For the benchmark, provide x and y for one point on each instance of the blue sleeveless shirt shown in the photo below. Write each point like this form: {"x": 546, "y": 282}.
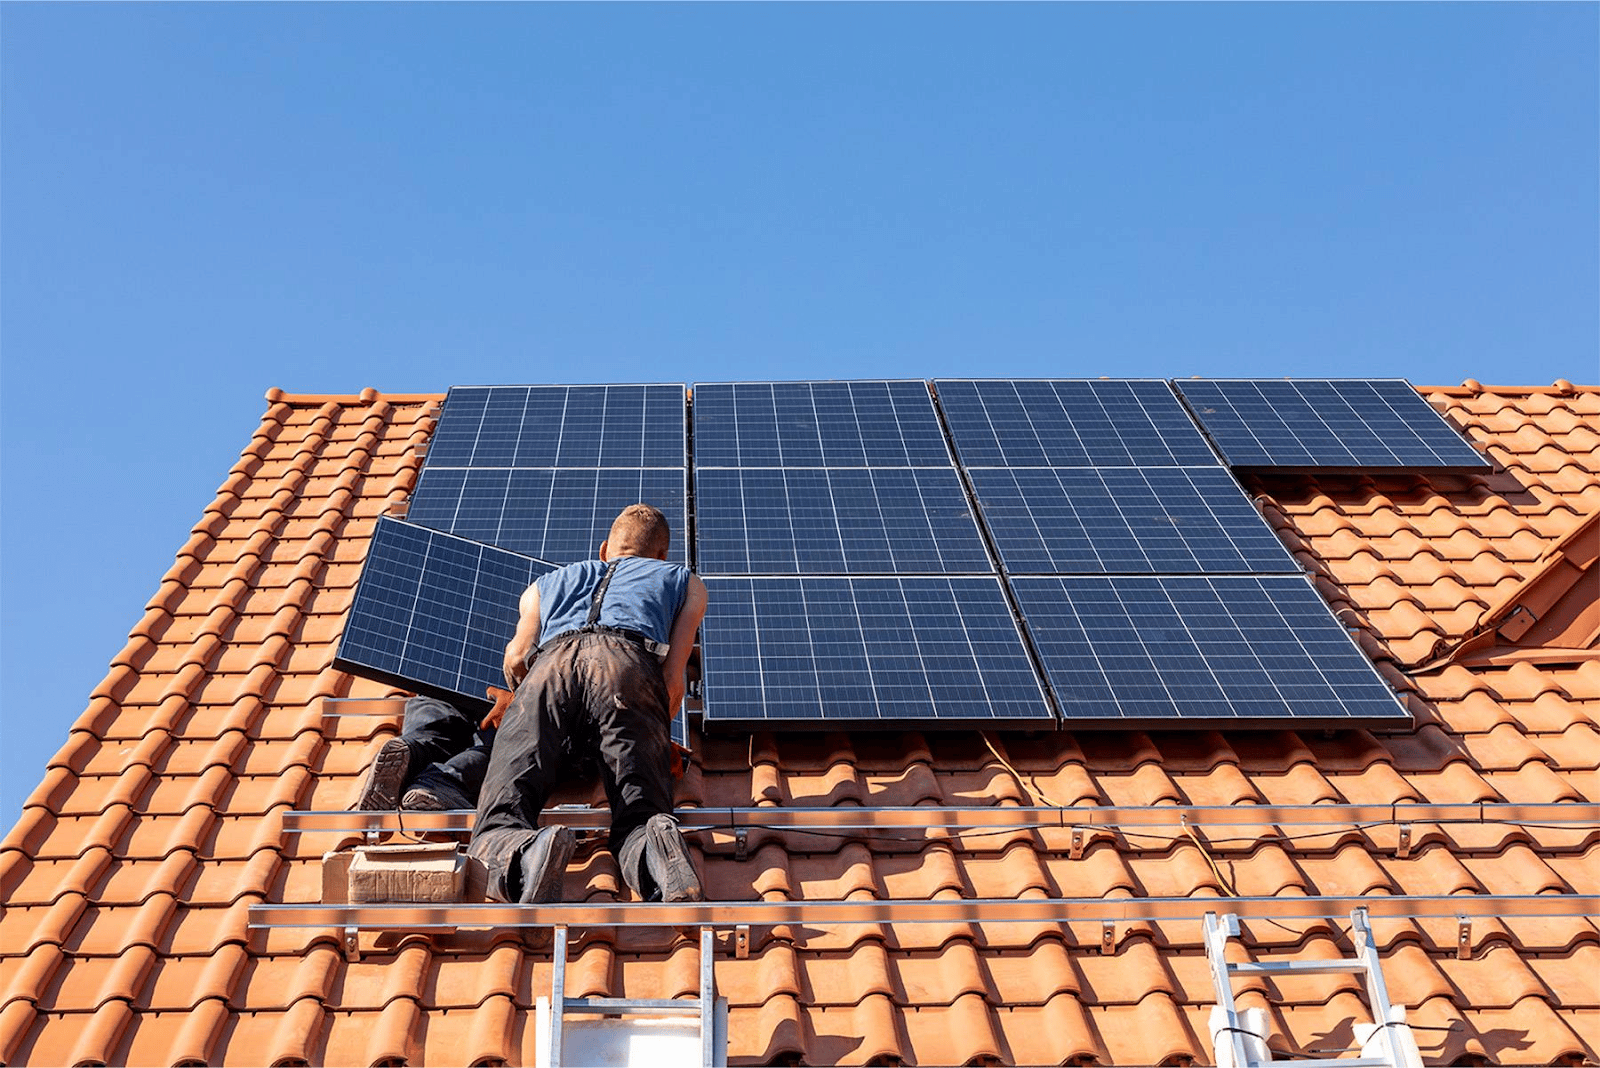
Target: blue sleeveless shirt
{"x": 645, "y": 595}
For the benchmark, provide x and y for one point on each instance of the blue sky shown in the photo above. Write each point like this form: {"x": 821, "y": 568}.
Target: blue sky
{"x": 200, "y": 202}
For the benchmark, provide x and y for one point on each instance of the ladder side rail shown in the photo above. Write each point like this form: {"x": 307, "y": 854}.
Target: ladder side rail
{"x": 558, "y": 995}
{"x": 708, "y": 998}
{"x": 1216, "y": 936}
{"x": 1377, "y": 988}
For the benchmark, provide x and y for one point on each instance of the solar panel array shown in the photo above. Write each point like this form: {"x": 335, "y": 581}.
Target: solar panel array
{"x": 543, "y": 470}
{"x": 831, "y": 526}
{"x": 433, "y": 612}
{"x": 879, "y": 553}
{"x": 1337, "y": 423}
{"x": 1152, "y": 589}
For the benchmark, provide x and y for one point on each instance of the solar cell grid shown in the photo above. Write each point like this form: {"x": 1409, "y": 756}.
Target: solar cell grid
{"x": 617, "y": 426}
{"x": 865, "y": 652}
{"x": 1185, "y": 649}
{"x": 433, "y": 612}
{"x": 1124, "y": 519}
{"x": 1070, "y": 423}
{"x": 554, "y": 514}
{"x": 1336, "y": 423}
{"x": 835, "y": 521}
{"x": 817, "y": 424}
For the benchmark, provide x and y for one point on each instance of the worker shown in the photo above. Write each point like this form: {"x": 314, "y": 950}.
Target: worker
{"x": 598, "y": 661}
{"x": 437, "y": 763}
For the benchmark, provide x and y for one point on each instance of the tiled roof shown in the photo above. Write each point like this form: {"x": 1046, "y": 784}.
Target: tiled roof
{"x": 128, "y": 878}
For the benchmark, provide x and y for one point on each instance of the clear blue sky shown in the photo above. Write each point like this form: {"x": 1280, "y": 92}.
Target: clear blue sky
{"x": 199, "y": 202}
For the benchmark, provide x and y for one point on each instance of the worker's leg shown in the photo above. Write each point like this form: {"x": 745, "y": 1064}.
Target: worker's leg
{"x": 524, "y": 764}
{"x": 433, "y": 730}
{"x": 627, "y": 704}
{"x": 452, "y": 783}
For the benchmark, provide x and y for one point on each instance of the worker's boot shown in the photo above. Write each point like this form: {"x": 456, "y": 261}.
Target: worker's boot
{"x": 655, "y": 862}
{"x": 521, "y": 866}
{"x": 385, "y": 779}
{"x": 433, "y": 792}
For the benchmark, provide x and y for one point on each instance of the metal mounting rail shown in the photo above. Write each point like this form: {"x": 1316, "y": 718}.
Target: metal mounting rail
{"x": 419, "y": 917}
{"x": 848, "y": 817}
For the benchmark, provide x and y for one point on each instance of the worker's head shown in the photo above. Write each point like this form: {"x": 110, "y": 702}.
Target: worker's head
{"x": 640, "y": 530}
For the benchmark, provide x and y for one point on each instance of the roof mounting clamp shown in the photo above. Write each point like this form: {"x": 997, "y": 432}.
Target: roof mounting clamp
{"x": 741, "y": 941}
{"x": 741, "y": 844}
{"x": 1108, "y": 938}
{"x": 1077, "y": 844}
{"x": 352, "y": 944}
{"x": 1403, "y": 850}
{"x": 1463, "y": 938}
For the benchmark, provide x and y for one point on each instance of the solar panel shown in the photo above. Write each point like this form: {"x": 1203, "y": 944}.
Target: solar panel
{"x": 555, "y": 514}
{"x": 838, "y": 521}
{"x": 433, "y": 612}
{"x": 1070, "y": 423}
{"x": 560, "y": 426}
{"x": 1188, "y": 650}
{"x": 1338, "y": 423}
{"x": 866, "y": 652}
{"x": 1125, "y": 520}
{"x": 817, "y": 424}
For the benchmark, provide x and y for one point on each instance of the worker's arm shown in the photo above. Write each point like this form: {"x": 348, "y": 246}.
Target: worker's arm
{"x": 527, "y": 636}
{"x": 682, "y": 642}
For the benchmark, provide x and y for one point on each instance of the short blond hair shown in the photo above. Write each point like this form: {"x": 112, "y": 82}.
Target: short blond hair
{"x": 640, "y": 530}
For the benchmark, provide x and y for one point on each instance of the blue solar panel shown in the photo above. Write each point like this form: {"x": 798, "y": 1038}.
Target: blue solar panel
{"x": 866, "y": 652}
{"x": 1125, "y": 520}
{"x": 838, "y": 521}
{"x": 433, "y": 613}
{"x": 1070, "y": 423}
{"x": 1311, "y": 423}
{"x": 817, "y": 424}
{"x": 1183, "y": 651}
{"x": 560, "y": 426}
{"x": 560, "y": 515}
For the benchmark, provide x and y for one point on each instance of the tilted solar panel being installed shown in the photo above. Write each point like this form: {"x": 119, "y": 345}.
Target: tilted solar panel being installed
{"x": 866, "y": 652}
{"x": 432, "y": 614}
{"x": 1070, "y": 423}
{"x": 1320, "y": 423}
{"x": 1177, "y": 651}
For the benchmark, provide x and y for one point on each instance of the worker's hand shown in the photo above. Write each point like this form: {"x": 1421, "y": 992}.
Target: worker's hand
{"x": 515, "y": 671}
{"x": 502, "y": 701}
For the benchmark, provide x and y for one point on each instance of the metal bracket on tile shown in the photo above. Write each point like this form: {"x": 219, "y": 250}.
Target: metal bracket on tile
{"x": 741, "y": 941}
{"x": 352, "y": 944}
{"x": 1077, "y": 843}
{"x": 741, "y": 844}
{"x": 1403, "y": 850}
{"x": 1463, "y": 938}
{"x": 1108, "y": 938}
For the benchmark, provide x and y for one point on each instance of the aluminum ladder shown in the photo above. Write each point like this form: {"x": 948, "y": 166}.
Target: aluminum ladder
{"x": 711, "y": 1011}
{"x": 1239, "y": 1039}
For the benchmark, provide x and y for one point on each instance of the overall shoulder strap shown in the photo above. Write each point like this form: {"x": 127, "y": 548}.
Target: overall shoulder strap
{"x": 600, "y": 593}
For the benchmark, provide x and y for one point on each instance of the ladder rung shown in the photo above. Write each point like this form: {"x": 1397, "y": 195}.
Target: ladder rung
{"x": 633, "y": 1006}
{"x": 1302, "y": 967}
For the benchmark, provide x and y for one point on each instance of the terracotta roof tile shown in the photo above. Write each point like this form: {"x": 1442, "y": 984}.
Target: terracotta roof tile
{"x": 128, "y": 877}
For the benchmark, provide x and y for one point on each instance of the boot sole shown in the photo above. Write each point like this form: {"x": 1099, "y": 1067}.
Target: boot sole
{"x": 381, "y": 791}
{"x": 544, "y": 865}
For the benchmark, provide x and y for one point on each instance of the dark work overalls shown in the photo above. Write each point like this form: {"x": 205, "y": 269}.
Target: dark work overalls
{"x": 592, "y": 693}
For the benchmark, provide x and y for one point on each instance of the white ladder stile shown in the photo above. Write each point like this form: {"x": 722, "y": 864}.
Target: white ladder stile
{"x": 644, "y": 1041}
{"x": 1239, "y": 1039}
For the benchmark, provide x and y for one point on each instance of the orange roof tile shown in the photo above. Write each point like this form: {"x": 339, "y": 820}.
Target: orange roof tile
{"x": 128, "y": 878}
